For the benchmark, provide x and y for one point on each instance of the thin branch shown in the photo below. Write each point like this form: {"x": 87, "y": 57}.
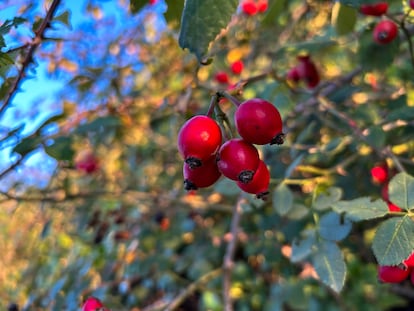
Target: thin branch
{"x": 37, "y": 40}
{"x": 228, "y": 261}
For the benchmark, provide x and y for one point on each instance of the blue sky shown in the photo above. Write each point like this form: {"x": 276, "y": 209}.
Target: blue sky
{"x": 36, "y": 100}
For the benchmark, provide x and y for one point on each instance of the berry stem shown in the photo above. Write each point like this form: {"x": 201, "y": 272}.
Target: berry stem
{"x": 214, "y": 101}
{"x": 226, "y": 95}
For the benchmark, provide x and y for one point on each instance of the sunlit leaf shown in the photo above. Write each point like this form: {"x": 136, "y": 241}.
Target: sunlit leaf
{"x": 334, "y": 228}
{"x": 343, "y": 18}
{"x": 401, "y": 191}
{"x": 361, "y": 209}
{"x": 325, "y": 199}
{"x": 393, "y": 241}
{"x": 202, "y": 21}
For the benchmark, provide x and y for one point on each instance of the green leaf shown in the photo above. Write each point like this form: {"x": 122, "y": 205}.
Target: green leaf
{"x": 376, "y": 136}
{"x": 330, "y": 265}
{"x": 202, "y": 21}
{"x": 282, "y": 199}
{"x": 361, "y": 209}
{"x": 99, "y": 125}
{"x": 61, "y": 149}
{"x": 334, "y": 228}
{"x": 325, "y": 199}
{"x": 174, "y": 11}
{"x": 301, "y": 249}
{"x": 393, "y": 241}
{"x": 64, "y": 18}
{"x": 343, "y": 18}
{"x": 403, "y": 113}
{"x": 401, "y": 191}
{"x": 27, "y": 145}
{"x": 274, "y": 10}
{"x": 136, "y": 5}
{"x": 226, "y": 187}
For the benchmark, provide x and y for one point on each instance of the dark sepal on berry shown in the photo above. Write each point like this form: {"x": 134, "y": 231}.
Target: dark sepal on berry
{"x": 262, "y": 195}
{"x": 193, "y": 162}
{"x": 189, "y": 185}
{"x": 246, "y": 176}
{"x": 279, "y": 139}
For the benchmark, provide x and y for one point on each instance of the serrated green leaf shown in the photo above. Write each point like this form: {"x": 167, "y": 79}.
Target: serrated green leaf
{"x": 343, "y": 18}
{"x": 202, "y": 21}
{"x": 326, "y": 199}
{"x": 401, "y": 191}
{"x": 297, "y": 212}
{"x": 361, "y": 209}
{"x": 61, "y": 149}
{"x": 282, "y": 199}
{"x": 226, "y": 187}
{"x": 393, "y": 241}
{"x": 64, "y": 18}
{"x": 330, "y": 265}
{"x": 301, "y": 249}
{"x": 136, "y": 5}
{"x": 334, "y": 228}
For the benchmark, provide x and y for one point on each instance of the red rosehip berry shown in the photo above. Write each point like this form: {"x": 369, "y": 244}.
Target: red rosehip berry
{"x": 87, "y": 162}
{"x": 237, "y": 67}
{"x": 259, "y": 122}
{"x": 201, "y": 177}
{"x": 411, "y": 4}
{"x": 379, "y": 174}
{"x": 262, "y": 6}
{"x": 307, "y": 71}
{"x": 392, "y": 274}
{"x": 293, "y": 75}
{"x": 409, "y": 262}
{"x": 222, "y": 77}
{"x": 259, "y": 185}
{"x": 249, "y": 7}
{"x": 92, "y": 304}
{"x": 152, "y": 2}
{"x": 375, "y": 9}
{"x": 385, "y": 31}
{"x": 198, "y": 140}
{"x": 238, "y": 160}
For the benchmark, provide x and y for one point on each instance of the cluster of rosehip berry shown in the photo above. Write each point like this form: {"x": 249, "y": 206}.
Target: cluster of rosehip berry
{"x": 305, "y": 71}
{"x": 385, "y": 30}
{"x": 93, "y": 304}
{"x": 381, "y": 176}
{"x": 253, "y": 7}
{"x": 206, "y": 157}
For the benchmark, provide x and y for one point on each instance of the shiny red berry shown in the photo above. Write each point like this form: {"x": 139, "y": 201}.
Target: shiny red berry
{"x": 385, "y": 31}
{"x": 198, "y": 140}
{"x": 92, "y": 304}
{"x": 238, "y": 160}
{"x": 259, "y": 122}
{"x": 259, "y": 185}
{"x": 307, "y": 71}
{"x": 249, "y": 7}
{"x": 392, "y": 274}
{"x": 379, "y": 174}
{"x": 375, "y": 9}
{"x": 237, "y": 67}
{"x": 201, "y": 177}
{"x": 393, "y": 208}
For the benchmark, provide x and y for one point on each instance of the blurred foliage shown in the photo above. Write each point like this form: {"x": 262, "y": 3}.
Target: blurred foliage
{"x": 130, "y": 235}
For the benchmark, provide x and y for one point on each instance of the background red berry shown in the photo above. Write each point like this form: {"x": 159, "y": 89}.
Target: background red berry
{"x": 237, "y": 67}
{"x": 259, "y": 122}
{"x": 249, "y": 7}
{"x": 199, "y": 139}
{"x": 411, "y": 4}
{"x": 307, "y": 71}
{"x": 262, "y": 6}
{"x": 259, "y": 185}
{"x": 375, "y": 9}
{"x": 385, "y": 31}
{"x": 238, "y": 160}
{"x": 87, "y": 162}
{"x": 222, "y": 77}
{"x": 379, "y": 174}
{"x": 293, "y": 75}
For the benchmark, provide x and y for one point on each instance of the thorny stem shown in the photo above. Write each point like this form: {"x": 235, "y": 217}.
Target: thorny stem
{"x": 37, "y": 40}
